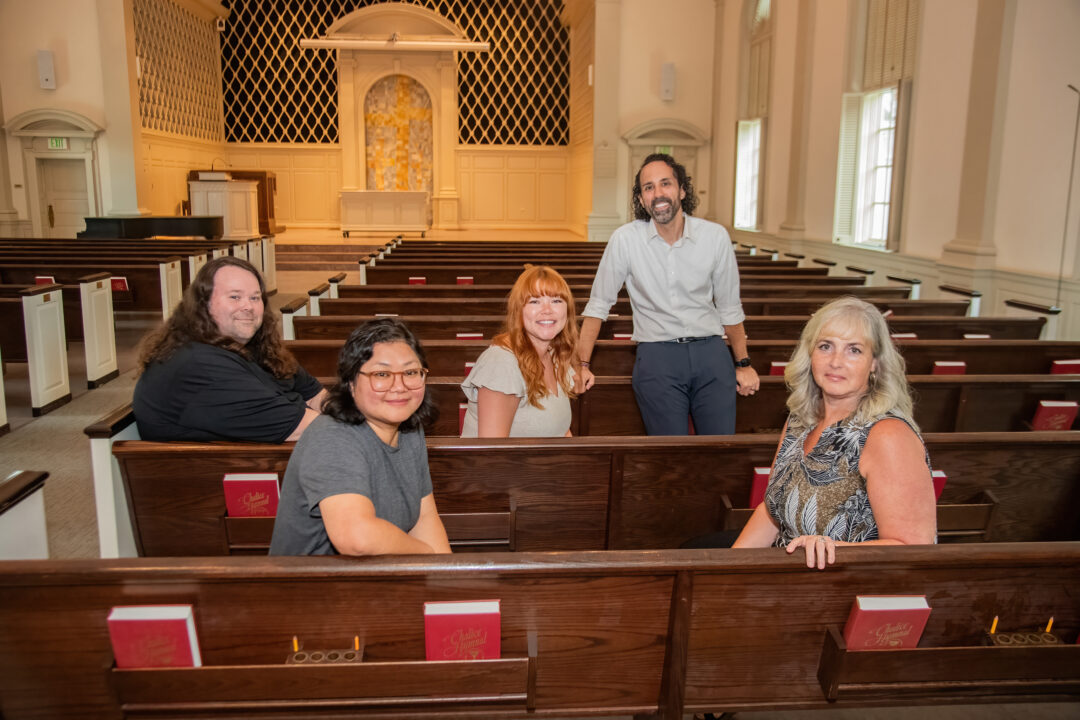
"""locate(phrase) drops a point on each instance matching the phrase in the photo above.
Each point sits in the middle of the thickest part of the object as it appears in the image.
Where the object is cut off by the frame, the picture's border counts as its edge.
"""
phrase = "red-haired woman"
(521, 386)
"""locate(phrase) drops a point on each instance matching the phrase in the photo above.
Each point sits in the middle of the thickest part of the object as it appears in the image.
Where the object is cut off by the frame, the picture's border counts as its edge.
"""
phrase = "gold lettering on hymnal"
(465, 644)
(1057, 421)
(256, 503)
(157, 651)
(891, 634)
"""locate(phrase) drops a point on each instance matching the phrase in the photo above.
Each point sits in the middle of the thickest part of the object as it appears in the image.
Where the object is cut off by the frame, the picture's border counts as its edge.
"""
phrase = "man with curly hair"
(218, 368)
(683, 283)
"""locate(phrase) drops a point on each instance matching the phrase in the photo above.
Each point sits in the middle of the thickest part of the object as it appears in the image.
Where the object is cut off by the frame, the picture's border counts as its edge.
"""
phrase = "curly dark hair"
(689, 203)
(339, 403)
(191, 322)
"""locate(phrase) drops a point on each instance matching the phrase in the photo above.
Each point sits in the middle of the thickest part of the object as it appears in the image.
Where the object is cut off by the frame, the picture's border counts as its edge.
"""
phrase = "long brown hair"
(191, 322)
(538, 281)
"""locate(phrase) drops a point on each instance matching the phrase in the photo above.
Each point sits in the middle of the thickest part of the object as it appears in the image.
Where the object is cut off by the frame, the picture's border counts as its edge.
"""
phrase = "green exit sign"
(666, 149)
(58, 143)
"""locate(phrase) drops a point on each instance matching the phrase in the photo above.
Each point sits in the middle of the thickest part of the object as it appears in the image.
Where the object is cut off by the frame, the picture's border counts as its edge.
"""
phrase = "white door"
(64, 201)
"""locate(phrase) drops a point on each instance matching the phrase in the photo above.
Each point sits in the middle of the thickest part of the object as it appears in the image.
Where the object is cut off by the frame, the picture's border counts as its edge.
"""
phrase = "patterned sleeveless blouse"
(823, 492)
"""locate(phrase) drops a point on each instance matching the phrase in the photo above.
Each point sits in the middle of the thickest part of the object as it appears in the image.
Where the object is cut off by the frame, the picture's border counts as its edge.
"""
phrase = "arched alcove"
(403, 40)
(398, 133)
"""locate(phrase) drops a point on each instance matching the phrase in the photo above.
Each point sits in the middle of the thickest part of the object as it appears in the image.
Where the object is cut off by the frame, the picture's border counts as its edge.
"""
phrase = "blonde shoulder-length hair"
(539, 281)
(888, 389)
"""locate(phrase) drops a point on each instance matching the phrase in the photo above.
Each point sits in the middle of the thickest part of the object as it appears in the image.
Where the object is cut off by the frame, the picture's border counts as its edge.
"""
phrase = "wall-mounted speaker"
(46, 70)
(667, 82)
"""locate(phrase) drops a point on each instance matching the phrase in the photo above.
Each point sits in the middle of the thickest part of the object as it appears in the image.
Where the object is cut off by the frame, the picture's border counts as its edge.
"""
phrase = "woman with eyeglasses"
(358, 481)
(521, 386)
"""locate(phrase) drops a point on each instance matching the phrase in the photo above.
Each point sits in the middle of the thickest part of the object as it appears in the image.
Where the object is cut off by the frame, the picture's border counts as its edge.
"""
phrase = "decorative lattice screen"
(518, 93)
(179, 71)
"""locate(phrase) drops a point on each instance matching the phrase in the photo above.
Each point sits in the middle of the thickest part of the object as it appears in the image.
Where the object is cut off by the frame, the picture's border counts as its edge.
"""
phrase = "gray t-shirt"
(333, 458)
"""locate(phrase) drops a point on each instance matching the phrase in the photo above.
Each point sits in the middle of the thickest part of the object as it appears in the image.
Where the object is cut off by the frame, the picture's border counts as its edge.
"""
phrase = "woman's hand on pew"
(820, 549)
(583, 380)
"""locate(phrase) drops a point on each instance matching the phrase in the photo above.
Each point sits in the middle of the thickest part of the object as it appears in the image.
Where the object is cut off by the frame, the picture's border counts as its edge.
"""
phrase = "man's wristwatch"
(745, 362)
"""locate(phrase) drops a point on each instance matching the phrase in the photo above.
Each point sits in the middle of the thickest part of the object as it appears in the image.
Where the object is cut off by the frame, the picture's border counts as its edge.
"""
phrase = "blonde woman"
(851, 466)
(521, 386)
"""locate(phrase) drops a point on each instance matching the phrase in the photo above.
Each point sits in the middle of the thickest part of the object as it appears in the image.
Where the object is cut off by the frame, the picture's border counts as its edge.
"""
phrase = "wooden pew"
(656, 634)
(442, 326)
(585, 493)
(32, 331)
(494, 274)
(151, 285)
(23, 535)
(943, 404)
(88, 317)
(616, 357)
(752, 305)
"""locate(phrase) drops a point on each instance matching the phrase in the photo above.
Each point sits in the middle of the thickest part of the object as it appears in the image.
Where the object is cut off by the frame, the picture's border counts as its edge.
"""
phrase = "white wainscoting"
(514, 186)
(170, 157)
(308, 179)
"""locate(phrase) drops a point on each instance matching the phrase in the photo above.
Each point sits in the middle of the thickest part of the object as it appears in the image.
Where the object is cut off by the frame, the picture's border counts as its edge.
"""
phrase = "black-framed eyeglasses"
(383, 380)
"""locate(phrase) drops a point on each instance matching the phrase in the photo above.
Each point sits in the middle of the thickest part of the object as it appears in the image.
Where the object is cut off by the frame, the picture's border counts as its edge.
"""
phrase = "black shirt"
(205, 393)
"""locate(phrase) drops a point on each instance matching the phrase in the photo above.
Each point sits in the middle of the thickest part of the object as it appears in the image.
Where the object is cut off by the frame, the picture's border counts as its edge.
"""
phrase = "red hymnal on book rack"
(469, 336)
(949, 367)
(940, 478)
(251, 494)
(1065, 367)
(119, 284)
(467, 630)
(758, 487)
(154, 636)
(1054, 415)
(468, 368)
(464, 280)
(886, 622)
(904, 336)
(44, 279)
(418, 280)
(777, 367)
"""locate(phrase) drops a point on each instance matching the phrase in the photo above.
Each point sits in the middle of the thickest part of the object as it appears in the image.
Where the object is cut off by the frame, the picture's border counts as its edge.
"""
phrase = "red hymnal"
(939, 478)
(466, 630)
(468, 368)
(904, 336)
(887, 313)
(758, 486)
(886, 622)
(469, 336)
(154, 636)
(462, 408)
(119, 284)
(621, 336)
(418, 280)
(464, 280)
(1065, 367)
(44, 279)
(1054, 415)
(949, 367)
(251, 494)
(777, 367)
(976, 336)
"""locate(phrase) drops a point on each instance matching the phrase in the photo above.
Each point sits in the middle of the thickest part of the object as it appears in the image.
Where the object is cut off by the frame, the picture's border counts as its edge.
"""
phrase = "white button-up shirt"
(689, 289)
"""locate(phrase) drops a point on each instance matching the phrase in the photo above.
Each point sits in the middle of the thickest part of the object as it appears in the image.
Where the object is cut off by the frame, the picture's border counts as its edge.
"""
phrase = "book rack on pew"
(981, 670)
(655, 632)
(424, 686)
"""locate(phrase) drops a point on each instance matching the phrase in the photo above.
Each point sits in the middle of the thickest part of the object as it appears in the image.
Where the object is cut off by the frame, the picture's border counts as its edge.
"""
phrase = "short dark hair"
(689, 203)
(191, 322)
(358, 349)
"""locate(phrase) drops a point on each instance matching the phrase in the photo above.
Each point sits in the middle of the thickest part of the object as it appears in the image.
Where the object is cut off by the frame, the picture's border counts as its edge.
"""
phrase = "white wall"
(70, 31)
(1037, 139)
(938, 122)
(308, 179)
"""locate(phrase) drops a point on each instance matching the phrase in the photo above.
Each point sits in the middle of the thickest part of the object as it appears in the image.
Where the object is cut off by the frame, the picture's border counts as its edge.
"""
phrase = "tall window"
(754, 109)
(873, 129)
